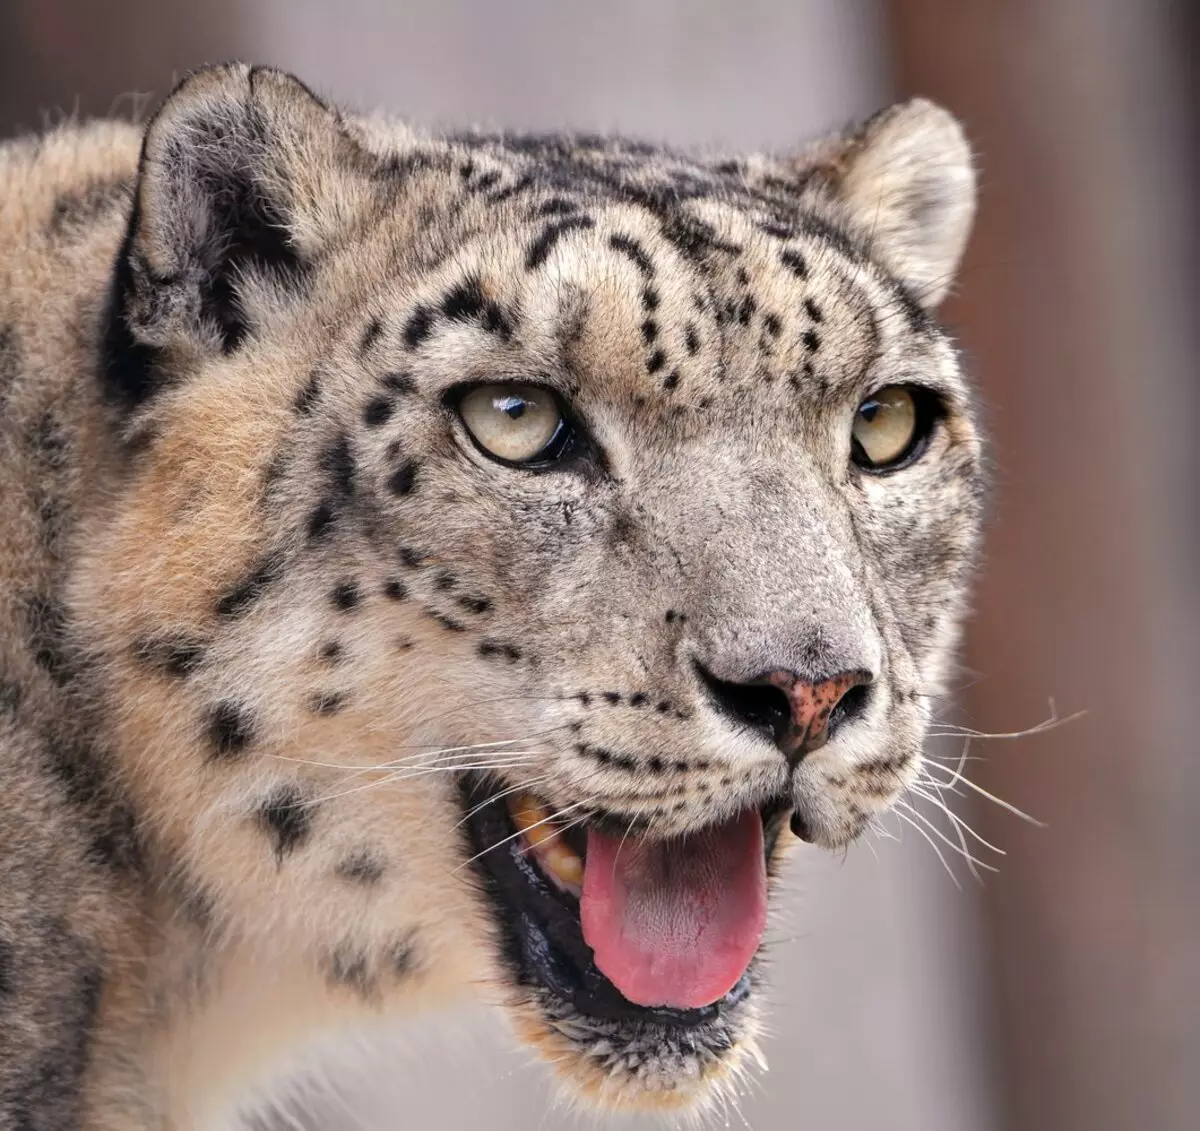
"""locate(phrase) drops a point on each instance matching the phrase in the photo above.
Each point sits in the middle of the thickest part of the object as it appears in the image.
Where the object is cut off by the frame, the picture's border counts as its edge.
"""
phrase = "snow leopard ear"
(906, 179)
(238, 184)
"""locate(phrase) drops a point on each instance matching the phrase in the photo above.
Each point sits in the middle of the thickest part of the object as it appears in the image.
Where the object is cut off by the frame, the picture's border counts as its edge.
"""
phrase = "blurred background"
(1063, 993)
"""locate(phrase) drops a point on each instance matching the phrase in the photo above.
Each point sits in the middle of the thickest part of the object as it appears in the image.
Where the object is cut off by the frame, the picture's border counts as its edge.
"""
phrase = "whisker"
(957, 776)
(394, 776)
(459, 753)
(518, 788)
(971, 860)
(519, 832)
(949, 872)
(952, 730)
(916, 788)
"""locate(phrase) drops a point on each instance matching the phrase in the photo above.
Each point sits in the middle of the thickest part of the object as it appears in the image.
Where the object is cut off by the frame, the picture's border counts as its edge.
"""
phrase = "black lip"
(540, 929)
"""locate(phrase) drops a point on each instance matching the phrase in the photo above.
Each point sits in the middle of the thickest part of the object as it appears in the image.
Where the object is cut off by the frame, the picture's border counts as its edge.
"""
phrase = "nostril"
(799, 715)
(849, 707)
(758, 705)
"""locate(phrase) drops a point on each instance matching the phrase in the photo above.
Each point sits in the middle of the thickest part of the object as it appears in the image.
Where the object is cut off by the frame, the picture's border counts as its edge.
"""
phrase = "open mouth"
(620, 925)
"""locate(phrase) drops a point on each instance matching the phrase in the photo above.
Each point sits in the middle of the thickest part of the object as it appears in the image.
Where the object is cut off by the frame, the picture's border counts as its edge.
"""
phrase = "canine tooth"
(534, 822)
(531, 819)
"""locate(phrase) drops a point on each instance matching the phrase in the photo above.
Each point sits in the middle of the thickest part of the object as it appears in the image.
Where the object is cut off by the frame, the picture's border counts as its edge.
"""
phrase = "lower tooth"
(565, 864)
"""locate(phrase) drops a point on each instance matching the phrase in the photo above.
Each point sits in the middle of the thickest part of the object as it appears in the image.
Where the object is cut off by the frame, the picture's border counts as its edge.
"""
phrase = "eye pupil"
(868, 410)
(512, 407)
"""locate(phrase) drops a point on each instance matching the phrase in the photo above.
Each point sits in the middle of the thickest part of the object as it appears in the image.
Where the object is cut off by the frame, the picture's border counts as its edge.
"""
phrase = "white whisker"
(520, 832)
(949, 871)
(957, 776)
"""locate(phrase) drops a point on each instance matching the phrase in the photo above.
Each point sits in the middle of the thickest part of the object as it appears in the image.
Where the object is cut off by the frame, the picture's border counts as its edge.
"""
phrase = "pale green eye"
(518, 424)
(885, 427)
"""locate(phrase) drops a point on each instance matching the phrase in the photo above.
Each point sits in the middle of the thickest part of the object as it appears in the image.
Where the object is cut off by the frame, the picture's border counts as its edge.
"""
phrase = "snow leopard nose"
(800, 714)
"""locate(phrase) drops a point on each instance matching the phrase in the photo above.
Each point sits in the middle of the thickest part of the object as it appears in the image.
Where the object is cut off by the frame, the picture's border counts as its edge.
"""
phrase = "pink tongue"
(676, 922)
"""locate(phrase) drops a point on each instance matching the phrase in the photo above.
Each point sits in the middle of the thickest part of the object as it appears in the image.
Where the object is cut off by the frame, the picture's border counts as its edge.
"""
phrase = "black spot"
(345, 596)
(444, 580)
(692, 339)
(649, 330)
(349, 968)
(638, 699)
(327, 702)
(656, 361)
(540, 249)
(631, 248)
(11, 697)
(237, 601)
(496, 321)
(613, 696)
(650, 299)
(662, 706)
(46, 620)
(656, 764)
(320, 520)
(399, 382)
(447, 622)
(370, 335)
(475, 604)
(671, 379)
(309, 394)
(584, 698)
(403, 479)
(418, 327)
(74, 211)
(794, 262)
(403, 957)
(337, 461)
(742, 277)
(331, 651)
(378, 411)
(230, 731)
(772, 325)
(49, 441)
(395, 589)
(361, 867)
(464, 302)
(176, 656)
(284, 815)
(7, 968)
(811, 340)
(556, 206)
(494, 648)
(10, 360)
(411, 557)
(813, 310)
(672, 616)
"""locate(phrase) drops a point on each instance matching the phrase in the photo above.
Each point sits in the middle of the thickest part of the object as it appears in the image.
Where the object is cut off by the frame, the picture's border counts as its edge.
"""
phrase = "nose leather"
(811, 705)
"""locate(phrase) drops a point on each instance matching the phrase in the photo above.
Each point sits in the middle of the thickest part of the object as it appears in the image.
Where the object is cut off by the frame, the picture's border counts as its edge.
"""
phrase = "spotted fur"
(255, 576)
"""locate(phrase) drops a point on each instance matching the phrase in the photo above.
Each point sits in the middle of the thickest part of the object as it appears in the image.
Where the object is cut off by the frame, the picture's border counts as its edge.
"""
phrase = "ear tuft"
(908, 181)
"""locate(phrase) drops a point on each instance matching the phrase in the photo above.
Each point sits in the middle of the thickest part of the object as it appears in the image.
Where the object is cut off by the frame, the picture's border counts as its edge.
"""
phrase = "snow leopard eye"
(892, 426)
(520, 425)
